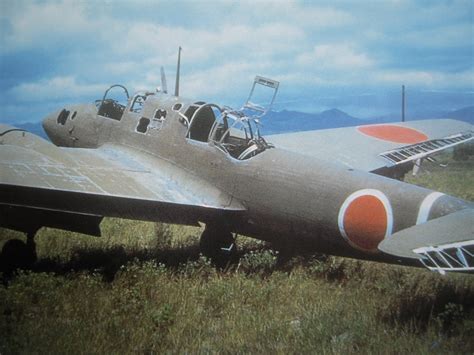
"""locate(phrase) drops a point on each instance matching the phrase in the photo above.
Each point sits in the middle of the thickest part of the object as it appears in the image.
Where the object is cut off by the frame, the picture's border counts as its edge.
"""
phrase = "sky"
(351, 55)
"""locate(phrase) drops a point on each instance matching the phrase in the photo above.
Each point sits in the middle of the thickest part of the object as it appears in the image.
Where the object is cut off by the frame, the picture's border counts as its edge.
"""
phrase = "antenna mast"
(176, 87)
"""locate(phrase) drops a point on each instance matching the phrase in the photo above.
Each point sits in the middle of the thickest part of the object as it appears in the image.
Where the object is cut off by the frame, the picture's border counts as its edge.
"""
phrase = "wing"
(442, 244)
(42, 184)
(381, 146)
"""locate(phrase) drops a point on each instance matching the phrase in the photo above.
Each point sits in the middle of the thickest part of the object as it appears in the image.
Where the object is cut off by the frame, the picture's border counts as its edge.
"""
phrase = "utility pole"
(403, 103)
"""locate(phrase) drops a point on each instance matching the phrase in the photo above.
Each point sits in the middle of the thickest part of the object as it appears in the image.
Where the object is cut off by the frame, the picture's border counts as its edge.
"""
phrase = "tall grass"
(149, 307)
(144, 288)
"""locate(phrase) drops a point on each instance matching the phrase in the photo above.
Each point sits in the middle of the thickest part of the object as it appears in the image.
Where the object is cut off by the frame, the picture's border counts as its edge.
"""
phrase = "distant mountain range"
(291, 121)
(463, 114)
(33, 127)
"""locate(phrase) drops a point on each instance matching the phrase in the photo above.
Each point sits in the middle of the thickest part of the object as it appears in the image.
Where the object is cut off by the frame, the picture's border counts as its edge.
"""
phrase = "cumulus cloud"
(296, 12)
(336, 56)
(447, 36)
(232, 77)
(427, 79)
(57, 88)
(305, 45)
(38, 23)
(159, 43)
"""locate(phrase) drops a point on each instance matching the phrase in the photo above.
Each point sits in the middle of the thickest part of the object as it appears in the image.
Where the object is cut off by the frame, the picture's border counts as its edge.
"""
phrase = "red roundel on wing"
(365, 222)
(392, 133)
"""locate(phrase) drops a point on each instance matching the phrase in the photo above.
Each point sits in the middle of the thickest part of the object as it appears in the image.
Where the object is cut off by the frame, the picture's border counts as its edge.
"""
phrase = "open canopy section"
(261, 97)
(231, 131)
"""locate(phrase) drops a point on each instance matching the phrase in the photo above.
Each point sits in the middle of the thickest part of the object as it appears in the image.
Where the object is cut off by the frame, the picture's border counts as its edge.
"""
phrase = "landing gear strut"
(218, 244)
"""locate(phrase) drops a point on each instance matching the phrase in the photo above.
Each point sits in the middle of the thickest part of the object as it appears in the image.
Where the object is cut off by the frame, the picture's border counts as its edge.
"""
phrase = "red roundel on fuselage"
(393, 133)
(365, 222)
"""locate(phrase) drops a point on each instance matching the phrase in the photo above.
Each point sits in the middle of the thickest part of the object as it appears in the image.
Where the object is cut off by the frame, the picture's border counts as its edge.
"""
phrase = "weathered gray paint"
(457, 225)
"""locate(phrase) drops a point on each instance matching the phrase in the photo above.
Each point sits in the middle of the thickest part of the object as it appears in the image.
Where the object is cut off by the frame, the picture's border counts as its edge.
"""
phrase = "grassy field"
(143, 287)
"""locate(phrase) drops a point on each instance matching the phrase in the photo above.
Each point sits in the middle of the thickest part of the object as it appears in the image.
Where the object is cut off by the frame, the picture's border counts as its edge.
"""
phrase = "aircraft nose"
(50, 123)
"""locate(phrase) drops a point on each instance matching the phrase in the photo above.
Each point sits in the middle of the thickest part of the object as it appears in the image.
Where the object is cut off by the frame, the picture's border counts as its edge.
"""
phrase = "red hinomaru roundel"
(365, 219)
(393, 133)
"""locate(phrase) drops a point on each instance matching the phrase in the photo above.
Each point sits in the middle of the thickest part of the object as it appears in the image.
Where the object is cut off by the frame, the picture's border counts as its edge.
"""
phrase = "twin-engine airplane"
(161, 157)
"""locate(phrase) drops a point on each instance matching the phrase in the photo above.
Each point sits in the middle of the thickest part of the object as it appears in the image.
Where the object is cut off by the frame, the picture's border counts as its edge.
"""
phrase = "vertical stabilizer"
(176, 87)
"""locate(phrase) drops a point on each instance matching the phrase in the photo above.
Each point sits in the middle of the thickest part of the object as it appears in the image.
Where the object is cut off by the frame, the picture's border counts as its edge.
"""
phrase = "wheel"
(218, 244)
(17, 254)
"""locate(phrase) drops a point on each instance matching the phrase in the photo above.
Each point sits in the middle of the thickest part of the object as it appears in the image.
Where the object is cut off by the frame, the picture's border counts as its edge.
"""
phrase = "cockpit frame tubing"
(263, 109)
(110, 88)
(190, 121)
(236, 121)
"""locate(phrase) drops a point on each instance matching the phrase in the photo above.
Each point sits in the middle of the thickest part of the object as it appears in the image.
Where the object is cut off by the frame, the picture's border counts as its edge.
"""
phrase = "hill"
(463, 114)
(291, 121)
(33, 127)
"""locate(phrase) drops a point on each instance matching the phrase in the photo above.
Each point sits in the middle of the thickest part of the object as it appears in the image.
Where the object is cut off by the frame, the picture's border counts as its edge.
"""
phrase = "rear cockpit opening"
(113, 105)
(231, 131)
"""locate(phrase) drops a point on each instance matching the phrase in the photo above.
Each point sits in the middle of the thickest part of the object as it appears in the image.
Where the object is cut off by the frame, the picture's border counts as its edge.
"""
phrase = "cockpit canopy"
(238, 134)
(231, 131)
(235, 132)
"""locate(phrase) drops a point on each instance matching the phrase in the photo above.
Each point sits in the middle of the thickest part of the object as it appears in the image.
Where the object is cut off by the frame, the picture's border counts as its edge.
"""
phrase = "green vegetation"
(454, 177)
(143, 287)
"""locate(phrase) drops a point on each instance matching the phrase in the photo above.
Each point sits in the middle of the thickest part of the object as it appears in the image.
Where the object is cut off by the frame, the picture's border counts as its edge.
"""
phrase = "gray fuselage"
(290, 199)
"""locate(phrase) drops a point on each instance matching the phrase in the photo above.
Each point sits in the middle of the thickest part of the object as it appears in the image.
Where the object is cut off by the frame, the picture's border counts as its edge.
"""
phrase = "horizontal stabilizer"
(442, 244)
